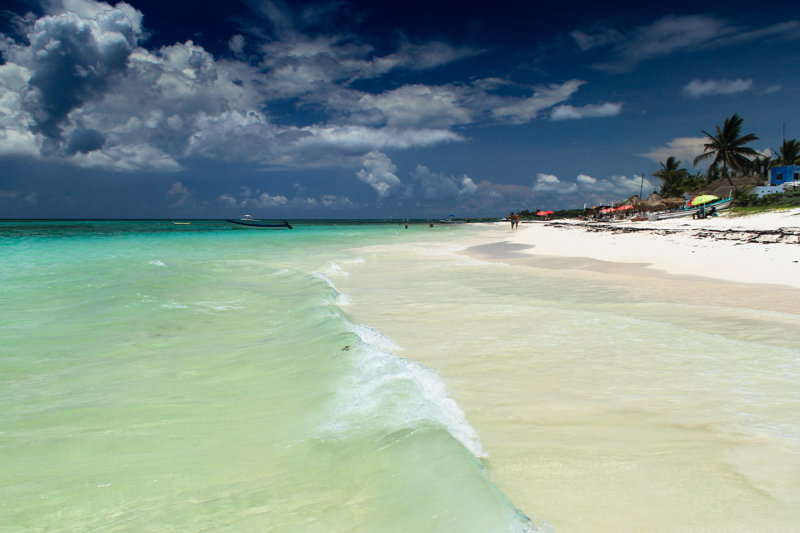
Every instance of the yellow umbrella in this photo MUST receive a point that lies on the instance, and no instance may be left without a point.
(703, 199)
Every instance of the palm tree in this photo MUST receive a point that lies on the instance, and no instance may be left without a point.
(789, 153)
(728, 147)
(672, 177)
(694, 183)
(744, 196)
(761, 165)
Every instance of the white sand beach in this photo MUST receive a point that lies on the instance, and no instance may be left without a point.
(679, 247)
(620, 382)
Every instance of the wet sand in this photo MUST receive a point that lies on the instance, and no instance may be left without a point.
(672, 287)
(611, 397)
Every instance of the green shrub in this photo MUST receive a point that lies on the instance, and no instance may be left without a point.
(790, 198)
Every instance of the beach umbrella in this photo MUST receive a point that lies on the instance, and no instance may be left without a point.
(540, 213)
(624, 208)
(608, 210)
(549, 213)
(703, 199)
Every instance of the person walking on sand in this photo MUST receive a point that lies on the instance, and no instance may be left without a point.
(511, 218)
(406, 225)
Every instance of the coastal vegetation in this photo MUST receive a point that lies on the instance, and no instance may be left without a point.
(790, 198)
(788, 153)
(677, 181)
(732, 158)
(744, 196)
(672, 177)
(564, 213)
(728, 148)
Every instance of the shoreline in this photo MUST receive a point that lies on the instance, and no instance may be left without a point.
(758, 250)
(689, 263)
(595, 390)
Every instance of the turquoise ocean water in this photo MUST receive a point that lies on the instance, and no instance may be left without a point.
(156, 377)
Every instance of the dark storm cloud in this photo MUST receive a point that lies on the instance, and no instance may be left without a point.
(73, 60)
(179, 101)
(362, 110)
(84, 141)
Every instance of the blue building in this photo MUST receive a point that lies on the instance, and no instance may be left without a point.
(781, 175)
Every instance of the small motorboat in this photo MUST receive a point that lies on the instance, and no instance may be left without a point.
(248, 221)
(718, 205)
(453, 220)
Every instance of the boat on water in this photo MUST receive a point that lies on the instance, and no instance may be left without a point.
(719, 205)
(248, 222)
(453, 220)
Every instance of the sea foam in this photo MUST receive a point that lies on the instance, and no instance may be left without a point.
(396, 393)
(339, 299)
(400, 392)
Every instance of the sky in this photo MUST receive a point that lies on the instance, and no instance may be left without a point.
(364, 109)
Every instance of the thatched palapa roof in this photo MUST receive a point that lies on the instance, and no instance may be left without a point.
(723, 188)
(674, 202)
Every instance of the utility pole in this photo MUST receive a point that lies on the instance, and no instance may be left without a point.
(641, 188)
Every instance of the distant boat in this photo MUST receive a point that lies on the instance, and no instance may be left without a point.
(181, 223)
(248, 221)
(452, 220)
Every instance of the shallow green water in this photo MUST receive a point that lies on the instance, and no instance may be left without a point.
(156, 377)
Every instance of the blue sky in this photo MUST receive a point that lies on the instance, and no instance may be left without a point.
(373, 109)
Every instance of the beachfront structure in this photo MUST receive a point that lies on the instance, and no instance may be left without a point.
(723, 188)
(768, 189)
(784, 174)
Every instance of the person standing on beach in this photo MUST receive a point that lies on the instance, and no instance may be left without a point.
(406, 225)
(511, 218)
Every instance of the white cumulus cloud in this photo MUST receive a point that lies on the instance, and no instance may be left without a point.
(697, 88)
(568, 112)
(551, 183)
(379, 173)
(525, 109)
(80, 87)
(437, 186)
(683, 148)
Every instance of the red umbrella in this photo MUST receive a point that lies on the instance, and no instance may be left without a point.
(541, 213)
(609, 210)
(624, 207)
